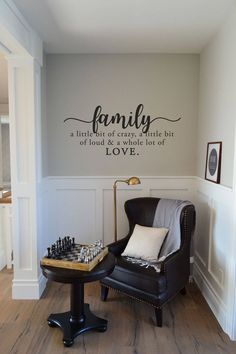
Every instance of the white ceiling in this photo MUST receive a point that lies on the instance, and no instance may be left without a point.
(125, 26)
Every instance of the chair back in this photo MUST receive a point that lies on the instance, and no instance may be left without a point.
(142, 211)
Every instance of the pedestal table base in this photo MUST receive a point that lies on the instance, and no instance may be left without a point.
(72, 329)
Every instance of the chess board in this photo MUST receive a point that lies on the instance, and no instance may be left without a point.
(69, 258)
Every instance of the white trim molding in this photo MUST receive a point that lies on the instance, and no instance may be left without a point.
(28, 289)
(23, 51)
(214, 301)
(24, 113)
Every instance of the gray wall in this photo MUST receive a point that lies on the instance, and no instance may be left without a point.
(44, 135)
(6, 169)
(167, 86)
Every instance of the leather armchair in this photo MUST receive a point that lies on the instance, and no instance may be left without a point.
(145, 284)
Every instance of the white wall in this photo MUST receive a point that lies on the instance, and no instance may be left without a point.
(167, 86)
(215, 235)
(217, 103)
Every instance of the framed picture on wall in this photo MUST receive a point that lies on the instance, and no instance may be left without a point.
(213, 162)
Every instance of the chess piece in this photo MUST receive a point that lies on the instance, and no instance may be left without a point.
(49, 252)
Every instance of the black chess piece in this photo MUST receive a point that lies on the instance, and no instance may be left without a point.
(49, 252)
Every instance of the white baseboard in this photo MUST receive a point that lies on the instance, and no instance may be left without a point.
(28, 289)
(215, 303)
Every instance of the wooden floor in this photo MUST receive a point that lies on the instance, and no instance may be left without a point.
(189, 326)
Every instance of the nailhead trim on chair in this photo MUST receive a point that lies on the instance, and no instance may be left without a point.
(131, 296)
(140, 300)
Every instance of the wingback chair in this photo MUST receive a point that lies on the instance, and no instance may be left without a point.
(146, 284)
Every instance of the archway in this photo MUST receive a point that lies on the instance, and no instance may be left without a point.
(23, 52)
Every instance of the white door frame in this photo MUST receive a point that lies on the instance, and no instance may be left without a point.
(23, 51)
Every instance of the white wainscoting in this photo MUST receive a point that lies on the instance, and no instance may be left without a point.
(214, 231)
(83, 206)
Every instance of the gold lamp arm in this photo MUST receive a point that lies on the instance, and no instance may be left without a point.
(130, 181)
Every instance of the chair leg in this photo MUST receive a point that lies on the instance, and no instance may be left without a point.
(104, 292)
(158, 313)
(183, 291)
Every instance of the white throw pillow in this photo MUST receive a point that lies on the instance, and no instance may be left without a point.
(145, 242)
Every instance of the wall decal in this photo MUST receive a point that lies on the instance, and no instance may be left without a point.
(137, 120)
(128, 132)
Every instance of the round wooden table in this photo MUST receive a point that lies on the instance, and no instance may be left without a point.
(79, 319)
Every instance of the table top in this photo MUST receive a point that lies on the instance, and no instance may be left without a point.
(63, 275)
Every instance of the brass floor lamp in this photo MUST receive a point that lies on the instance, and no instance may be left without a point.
(130, 181)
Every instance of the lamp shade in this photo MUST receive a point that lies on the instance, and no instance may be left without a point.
(133, 180)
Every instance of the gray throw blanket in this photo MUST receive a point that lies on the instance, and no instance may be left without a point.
(167, 215)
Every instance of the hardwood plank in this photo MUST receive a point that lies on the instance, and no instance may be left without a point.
(189, 326)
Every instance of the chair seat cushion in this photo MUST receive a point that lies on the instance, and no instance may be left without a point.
(147, 280)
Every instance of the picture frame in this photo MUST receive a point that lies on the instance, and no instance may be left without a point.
(213, 161)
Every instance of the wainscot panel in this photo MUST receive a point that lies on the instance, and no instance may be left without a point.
(83, 206)
(213, 236)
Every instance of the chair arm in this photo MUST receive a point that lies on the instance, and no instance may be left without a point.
(118, 247)
(169, 261)
(176, 268)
